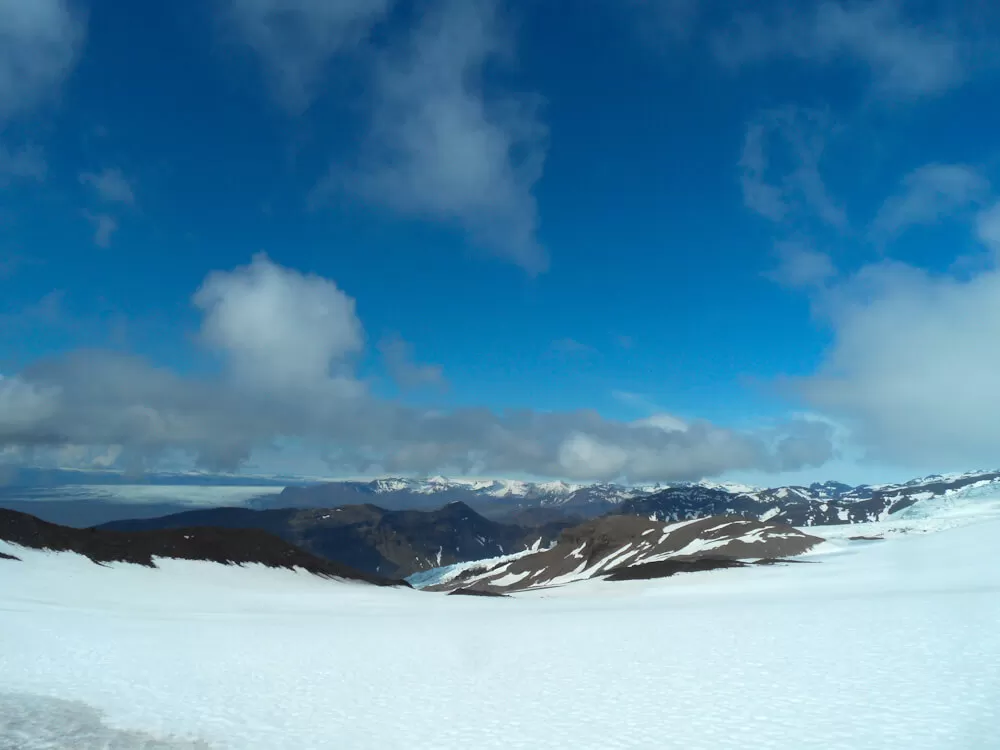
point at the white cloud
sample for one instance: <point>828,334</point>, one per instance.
<point>780,167</point>
<point>441,149</point>
<point>23,405</point>
<point>110,185</point>
<point>288,341</point>
<point>583,455</point>
<point>279,328</point>
<point>929,194</point>
<point>297,39</point>
<point>914,367</point>
<point>905,57</point>
<point>397,355</point>
<point>104,227</point>
<point>39,44</point>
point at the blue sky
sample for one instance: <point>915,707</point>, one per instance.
<point>499,237</point>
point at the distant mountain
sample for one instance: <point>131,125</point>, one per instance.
<point>823,504</point>
<point>229,546</point>
<point>500,499</point>
<point>781,506</point>
<point>527,503</point>
<point>371,538</point>
<point>624,547</point>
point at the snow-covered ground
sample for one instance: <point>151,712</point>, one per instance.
<point>956,508</point>
<point>888,644</point>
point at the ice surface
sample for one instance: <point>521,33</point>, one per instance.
<point>880,645</point>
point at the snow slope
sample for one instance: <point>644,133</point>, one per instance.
<point>881,645</point>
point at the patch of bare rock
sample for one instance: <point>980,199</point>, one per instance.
<point>631,547</point>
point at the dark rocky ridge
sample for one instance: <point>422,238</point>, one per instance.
<point>601,546</point>
<point>228,546</point>
<point>476,592</point>
<point>667,568</point>
<point>370,538</point>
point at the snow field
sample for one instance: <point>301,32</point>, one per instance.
<point>879,645</point>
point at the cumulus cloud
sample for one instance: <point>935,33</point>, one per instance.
<point>104,225</point>
<point>39,44</point>
<point>913,367</point>
<point>110,185</point>
<point>397,356</point>
<point>929,194</point>
<point>780,167</point>
<point>287,341</point>
<point>279,328</point>
<point>440,148</point>
<point>297,39</point>
<point>906,57</point>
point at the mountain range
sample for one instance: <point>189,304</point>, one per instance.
<point>528,503</point>
<point>400,543</point>
<point>396,527</point>
<point>369,538</point>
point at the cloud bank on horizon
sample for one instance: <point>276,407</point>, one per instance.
<point>908,376</point>
<point>286,341</point>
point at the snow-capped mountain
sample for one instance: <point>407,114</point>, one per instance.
<point>515,500</point>
<point>829,503</point>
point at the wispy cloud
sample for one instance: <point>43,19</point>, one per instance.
<point>110,185</point>
<point>296,39</point>
<point>39,44</point>
<point>780,167</point>
<point>905,57</point>
<point>104,225</point>
<point>801,266</point>
<point>24,163</point>
<point>569,347</point>
<point>929,194</point>
<point>440,148</point>
<point>397,356</point>
<point>664,21</point>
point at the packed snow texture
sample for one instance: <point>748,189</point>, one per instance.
<point>891,644</point>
